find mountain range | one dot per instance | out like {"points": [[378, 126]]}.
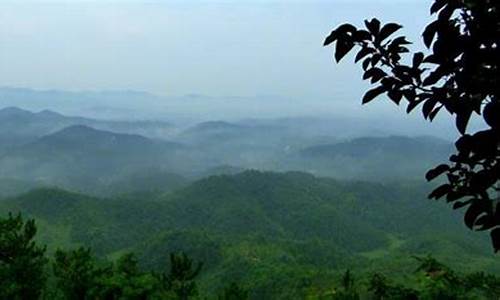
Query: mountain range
{"points": [[81, 157], [19, 126], [88, 155]]}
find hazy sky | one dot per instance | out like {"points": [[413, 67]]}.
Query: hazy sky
{"points": [[256, 49], [237, 48]]}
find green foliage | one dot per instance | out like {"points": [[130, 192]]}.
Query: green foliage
{"points": [[234, 292], [381, 288], [127, 281], [181, 277], [22, 261], [76, 273], [486, 285], [271, 232], [79, 276], [347, 289], [460, 74], [280, 236]]}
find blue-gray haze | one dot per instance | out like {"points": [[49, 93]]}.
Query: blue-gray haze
{"points": [[204, 59]]}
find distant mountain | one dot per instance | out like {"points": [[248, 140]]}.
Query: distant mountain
{"points": [[254, 223], [214, 126], [241, 146], [214, 132], [220, 170], [392, 145], [110, 104], [312, 116], [81, 137], [80, 156], [18, 126], [12, 187], [390, 157]]}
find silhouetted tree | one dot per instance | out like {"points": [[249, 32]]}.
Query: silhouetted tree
{"points": [[22, 261], [180, 279], [460, 73]]}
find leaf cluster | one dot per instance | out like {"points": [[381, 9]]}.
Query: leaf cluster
{"points": [[458, 73]]}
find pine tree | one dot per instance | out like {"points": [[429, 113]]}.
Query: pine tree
{"points": [[76, 273], [181, 278], [22, 261]]}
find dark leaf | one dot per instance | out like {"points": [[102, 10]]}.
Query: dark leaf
{"points": [[462, 120], [473, 212], [363, 52], [362, 35], [484, 222], [495, 239], [411, 96], [366, 63], [438, 5], [446, 13], [453, 196], [434, 77], [460, 204], [331, 38], [431, 59], [373, 93], [464, 143], [440, 191], [412, 104], [387, 30], [482, 180], [395, 96], [431, 174], [344, 28], [434, 112], [375, 74], [429, 33], [343, 47], [428, 107], [418, 58], [376, 59], [373, 26], [400, 41]]}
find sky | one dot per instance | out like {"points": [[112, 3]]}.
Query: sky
{"points": [[255, 49], [216, 48]]}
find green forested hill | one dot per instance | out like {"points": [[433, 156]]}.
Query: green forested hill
{"points": [[269, 231]]}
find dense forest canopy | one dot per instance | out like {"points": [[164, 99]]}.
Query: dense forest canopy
{"points": [[278, 236]]}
